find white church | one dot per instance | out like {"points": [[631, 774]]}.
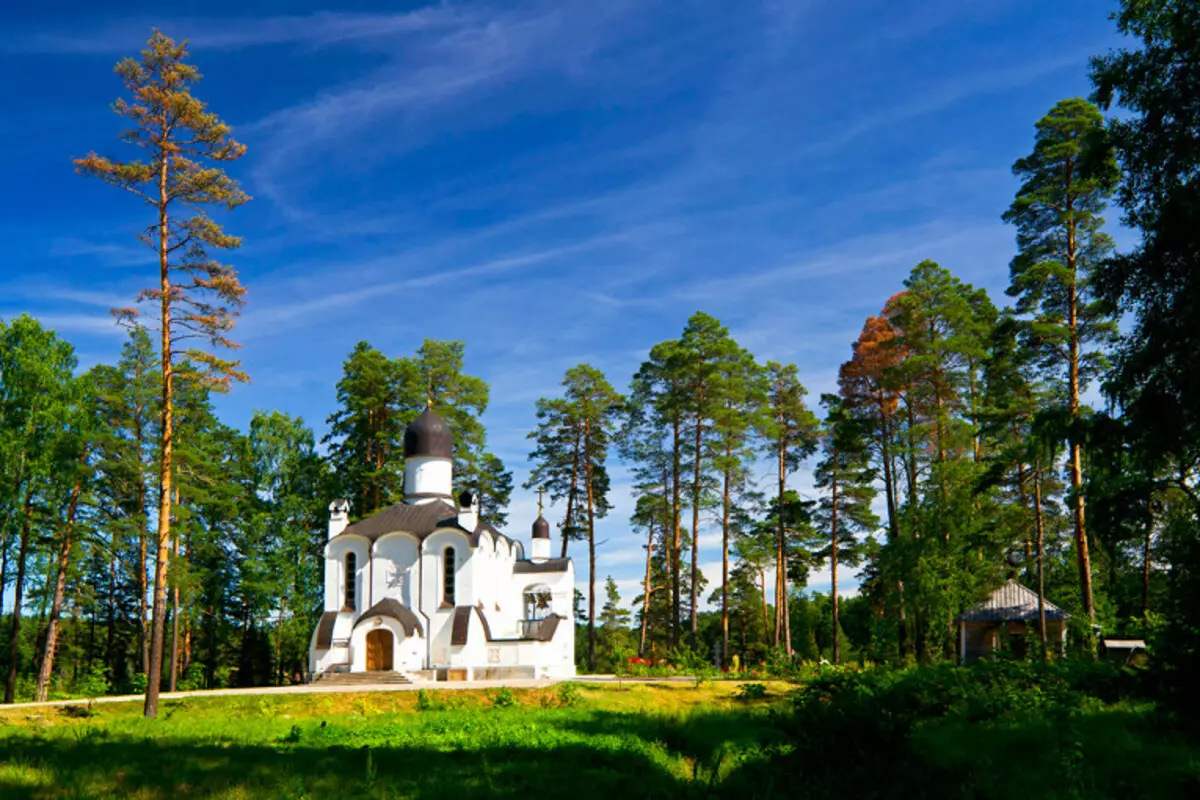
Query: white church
{"points": [[428, 590]]}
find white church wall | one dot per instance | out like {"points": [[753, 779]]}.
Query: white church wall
{"points": [[434, 548], [395, 568], [335, 570]]}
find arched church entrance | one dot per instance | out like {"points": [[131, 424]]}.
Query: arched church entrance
{"points": [[379, 650]]}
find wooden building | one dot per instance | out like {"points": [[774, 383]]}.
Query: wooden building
{"points": [[1008, 620]]}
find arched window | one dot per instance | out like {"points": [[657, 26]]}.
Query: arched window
{"points": [[448, 566], [351, 602]]}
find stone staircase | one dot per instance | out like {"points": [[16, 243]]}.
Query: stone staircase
{"points": [[362, 678]]}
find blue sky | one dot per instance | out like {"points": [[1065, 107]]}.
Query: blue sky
{"points": [[552, 182]]}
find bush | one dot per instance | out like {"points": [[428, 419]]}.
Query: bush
{"points": [[137, 683], [568, 694], [430, 700], [848, 727], [93, 683], [751, 691], [502, 697]]}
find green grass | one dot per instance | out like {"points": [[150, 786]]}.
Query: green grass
{"points": [[935, 733], [646, 741]]}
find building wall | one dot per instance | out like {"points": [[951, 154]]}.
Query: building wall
{"points": [[394, 571], [400, 566]]}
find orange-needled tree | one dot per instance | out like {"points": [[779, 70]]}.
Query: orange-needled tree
{"points": [[197, 297]]}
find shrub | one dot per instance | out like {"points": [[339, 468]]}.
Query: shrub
{"points": [[502, 697], [93, 683], [751, 691], [430, 700], [568, 694]]}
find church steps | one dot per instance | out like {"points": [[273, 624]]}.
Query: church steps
{"points": [[363, 678]]}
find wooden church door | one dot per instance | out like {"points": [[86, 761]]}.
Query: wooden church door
{"points": [[379, 650]]}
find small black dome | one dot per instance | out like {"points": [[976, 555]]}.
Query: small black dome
{"points": [[428, 435], [541, 528]]}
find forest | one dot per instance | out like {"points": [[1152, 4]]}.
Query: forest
{"points": [[1051, 435]]}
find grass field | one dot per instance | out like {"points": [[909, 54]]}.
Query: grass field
{"points": [[582, 742], [934, 733]]}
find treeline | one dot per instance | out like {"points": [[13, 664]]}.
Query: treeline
{"points": [[958, 449], [970, 419]]}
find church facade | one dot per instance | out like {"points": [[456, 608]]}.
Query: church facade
{"points": [[426, 588]]}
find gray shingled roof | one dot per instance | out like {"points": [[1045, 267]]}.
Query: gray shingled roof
{"points": [[419, 519], [1011, 602], [549, 565]]}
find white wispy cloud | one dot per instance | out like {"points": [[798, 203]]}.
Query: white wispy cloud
{"points": [[320, 29]]}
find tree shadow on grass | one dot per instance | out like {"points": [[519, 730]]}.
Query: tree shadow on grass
{"points": [[116, 767], [702, 736]]}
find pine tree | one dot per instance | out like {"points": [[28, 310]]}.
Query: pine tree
{"points": [[494, 484], [846, 479], [658, 402], [790, 431], [437, 377], [35, 387], [366, 433], [197, 296], [73, 475], [708, 356], [1066, 182], [741, 394]]}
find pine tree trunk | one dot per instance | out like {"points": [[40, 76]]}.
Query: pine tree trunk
{"points": [[646, 591], [591, 509], [143, 631], [676, 497], [725, 560], [175, 620], [60, 582], [762, 582], [14, 644], [1041, 553], [1146, 559], [780, 554], [889, 480], [833, 562], [570, 517], [695, 587], [163, 534], [1081, 542]]}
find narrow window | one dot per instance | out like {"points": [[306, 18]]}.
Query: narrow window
{"points": [[448, 576], [351, 568]]}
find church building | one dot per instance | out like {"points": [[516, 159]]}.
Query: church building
{"points": [[427, 589]]}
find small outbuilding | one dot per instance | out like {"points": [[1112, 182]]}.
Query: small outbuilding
{"points": [[1124, 651], [1008, 620]]}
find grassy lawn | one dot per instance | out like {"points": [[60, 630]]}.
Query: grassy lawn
{"points": [[934, 734], [597, 741]]}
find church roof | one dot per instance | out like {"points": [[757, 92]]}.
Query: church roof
{"points": [[393, 608], [549, 565], [462, 625], [418, 519], [428, 435], [1011, 602], [541, 528], [325, 630]]}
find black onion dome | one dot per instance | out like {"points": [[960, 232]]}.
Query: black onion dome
{"points": [[541, 528], [428, 435]]}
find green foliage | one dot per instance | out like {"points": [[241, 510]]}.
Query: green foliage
{"points": [[503, 697], [751, 691], [93, 683], [951, 731], [568, 694]]}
